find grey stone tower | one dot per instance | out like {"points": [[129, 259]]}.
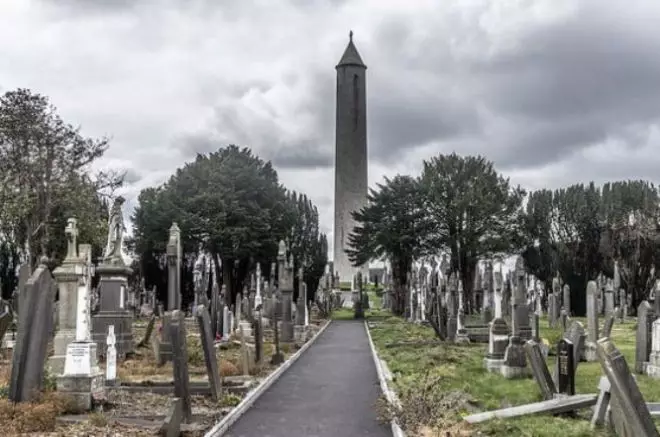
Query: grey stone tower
{"points": [[351, 181]]}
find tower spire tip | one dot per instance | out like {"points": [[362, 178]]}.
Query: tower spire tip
{"points": [[350, 35]]}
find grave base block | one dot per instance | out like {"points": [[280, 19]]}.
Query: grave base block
{"points": [[493, 365], [462, 336], [514, 372], [301, 333], [653, 371], [589, 352], [83, 390]]}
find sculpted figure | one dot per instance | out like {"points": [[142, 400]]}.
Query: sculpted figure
{"points": [[116, 229]]}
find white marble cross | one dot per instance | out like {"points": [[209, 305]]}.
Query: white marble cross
{"points": [[111, 355]]}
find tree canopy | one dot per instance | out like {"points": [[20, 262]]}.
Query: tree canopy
{"points": [[230, 204], [45, 178]]}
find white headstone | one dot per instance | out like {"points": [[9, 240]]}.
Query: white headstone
{"points": [[111, 355], [257, 298], [122, 296]]}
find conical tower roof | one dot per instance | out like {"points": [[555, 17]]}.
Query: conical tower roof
{"points": [[351, 55]]}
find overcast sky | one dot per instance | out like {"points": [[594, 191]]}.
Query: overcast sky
{"points": [[553, 91]]}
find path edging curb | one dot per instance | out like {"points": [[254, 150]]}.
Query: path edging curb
{"points": [[384, 376], [220, 428]]}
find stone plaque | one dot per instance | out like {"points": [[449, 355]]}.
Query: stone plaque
{"points": [[78, 359]]}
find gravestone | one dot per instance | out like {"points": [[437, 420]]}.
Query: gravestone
{"points": [[285, 278], [173, 256], [180, 363], [277, 358], [82, 381], [172, 424], [566, 291], [461, 332], [515, 363], [565, 367], [68, 275], [623, 304], [258, 339], [577, 337], [653, 366], [520, 309], [210, 359], [34, 328], [609, 297], [148, 331], [607, 327], [592, 322], [536, 328], [603, 402], [540, 370], [636, 419], [113, 289], [645, 317], [553, 303], [5, 322], [111, 357]]}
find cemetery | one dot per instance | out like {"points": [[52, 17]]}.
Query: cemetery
{"points": [[455, 303], [591, 375], [168, 373]]}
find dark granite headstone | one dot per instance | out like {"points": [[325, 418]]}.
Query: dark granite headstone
{"points": [[565, 367]]}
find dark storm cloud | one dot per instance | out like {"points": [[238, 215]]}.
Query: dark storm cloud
{"points": [[565, 87]]}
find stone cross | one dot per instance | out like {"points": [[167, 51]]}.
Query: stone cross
{"points": [[174, 268]]}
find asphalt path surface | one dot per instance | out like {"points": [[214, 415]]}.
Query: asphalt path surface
{"points": [[329, 392]]}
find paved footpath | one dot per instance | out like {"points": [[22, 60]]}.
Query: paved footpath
{"points": [[329, 392]]}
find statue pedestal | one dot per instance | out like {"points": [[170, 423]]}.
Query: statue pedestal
{"points": [[113, 295]]}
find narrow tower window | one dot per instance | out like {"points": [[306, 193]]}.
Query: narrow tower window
{"points": [[356, 102]]}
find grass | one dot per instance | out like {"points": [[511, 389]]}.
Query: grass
{"points": [[456, 373], [374, 310]]}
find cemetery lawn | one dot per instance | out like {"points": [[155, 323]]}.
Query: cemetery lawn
{"points": [[440, 383]]}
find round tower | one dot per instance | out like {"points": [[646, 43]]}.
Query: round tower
{"points": [[351, 181]]}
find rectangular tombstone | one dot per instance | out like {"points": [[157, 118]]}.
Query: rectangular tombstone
{"points": [[635, 419], [540, 369], [645, 317], [565, 367], [207, 339], [180, 363], [592, 312], [34, 328], [607, 327]]}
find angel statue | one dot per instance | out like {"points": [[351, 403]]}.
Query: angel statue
{"points": [[116, 229]]}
